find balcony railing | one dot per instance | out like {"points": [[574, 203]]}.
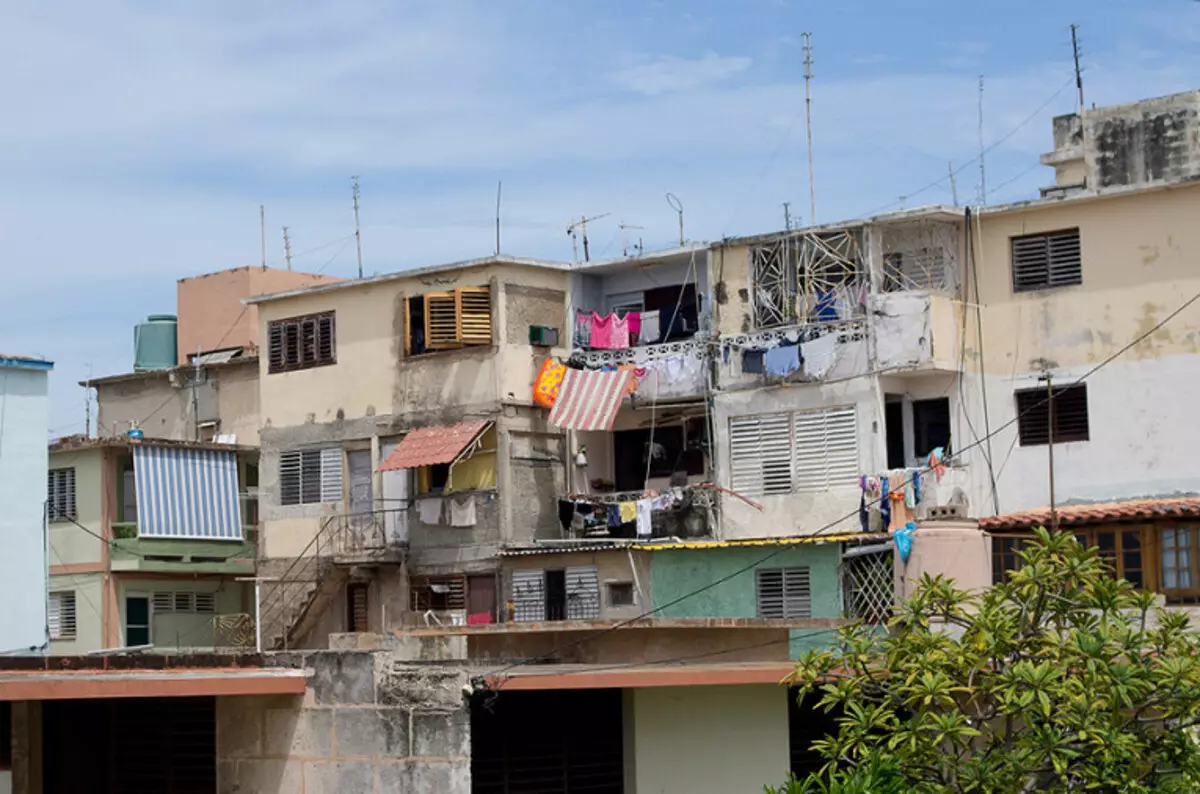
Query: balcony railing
{"points": [[693, 515], [370, 533]]}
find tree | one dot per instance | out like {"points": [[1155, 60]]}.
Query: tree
{"points": [[1061, 678]]}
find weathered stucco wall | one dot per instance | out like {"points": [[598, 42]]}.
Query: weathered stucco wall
{"points": [[706, 740], [89, 604], [1143, 141], [70, 545], [611, 566]]}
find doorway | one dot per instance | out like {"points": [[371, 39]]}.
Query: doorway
{"points": [[893, 421], [481, 597], [556, 595], [358, 607], [137, 620]]}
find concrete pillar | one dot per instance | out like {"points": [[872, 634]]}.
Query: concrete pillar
{"points": [[956, 548], [27, 747]]}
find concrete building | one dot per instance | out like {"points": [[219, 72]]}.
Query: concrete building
{"points": [[149, 543]]}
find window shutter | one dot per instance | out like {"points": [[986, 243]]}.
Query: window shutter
{"points": [[1042, 261], [583, 593], [776, 453], [206, 603], [289, 478], [475, 311], [529, 595], [274, 346], [783, 593], [760, 454], [1065, 259], [441, 321], [769, 586], [60, 617], [331, 475], [826, 448], [164, 601], [291, 344], [183, 603]]}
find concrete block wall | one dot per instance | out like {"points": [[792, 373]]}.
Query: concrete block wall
{"points": [[368, 722]]}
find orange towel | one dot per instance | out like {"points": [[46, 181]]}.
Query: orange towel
{"points": [[548, 382]]}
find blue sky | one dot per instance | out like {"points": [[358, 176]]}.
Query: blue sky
{"points": [[140, 138]]}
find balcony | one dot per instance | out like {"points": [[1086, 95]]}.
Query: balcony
{"points": [[370, 538], [158, 555], [692, 513]]}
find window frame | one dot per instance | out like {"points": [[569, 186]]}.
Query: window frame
{"points": [[1089, 536], [1071, 272], [1178, 596], [69, 492], [622, 587], [1029, 409], [68, 615], [289, 338], [421, 594], [452, 320], [322, 485], [789, 578]]}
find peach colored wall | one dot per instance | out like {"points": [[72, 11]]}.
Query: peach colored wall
{"points": [[210, 309]]}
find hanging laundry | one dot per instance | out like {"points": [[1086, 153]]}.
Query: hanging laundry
{"points": [[916, 481], [638, 374], [782, 361], [614, 514], [610, 332], [583, 329], [628, 511], [752, 362], [826, 308], [644, 518], [937, 462], [462, 511], [885, 503], [864, 520], [548, 382], [648, 332], [634, 319], [910, 489], [818, 355], [429, 510]]}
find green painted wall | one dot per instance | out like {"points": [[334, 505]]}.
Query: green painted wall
{"points": [[88, 597], [68, 543], [677, 572], [186, 630]]}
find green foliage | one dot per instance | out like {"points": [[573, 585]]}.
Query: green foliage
{"points": [[873, 777], [1060, 679]]}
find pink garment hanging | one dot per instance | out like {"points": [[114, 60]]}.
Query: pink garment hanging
{"points": [[635, 322], [610, 332]]}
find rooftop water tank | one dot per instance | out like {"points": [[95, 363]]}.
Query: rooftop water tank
{"points": [[154, 342]]}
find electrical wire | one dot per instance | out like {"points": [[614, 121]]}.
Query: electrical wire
{"points": [[112, 544], [849, 516], [81, 591]]}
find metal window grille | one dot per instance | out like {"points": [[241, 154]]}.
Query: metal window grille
{"points": [[1070, 415], [583, 593], [301, 342], [60, 494], [61, 615], [439, 593], [310, 476], [920, 256], [783, 593], [529, 595], [1044, 261], [807, 277], [868, 586]]}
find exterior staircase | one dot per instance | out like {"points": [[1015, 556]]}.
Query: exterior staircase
{"points": [[292, 604]]}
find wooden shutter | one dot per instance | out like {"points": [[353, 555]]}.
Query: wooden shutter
{"points": [[331, 474], [1043, 261], [326, 339], [357, 606], [745, 455], [184, 603], [583, 593], [275, 346], [475, 315], [769, 593], [441, 321], [60, 493], [826, 448], [529, 595]]}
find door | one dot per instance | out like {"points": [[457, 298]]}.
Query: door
{"points": [[556, 595], [358, 607], [481, 597], [137, 620], [395, 487]]}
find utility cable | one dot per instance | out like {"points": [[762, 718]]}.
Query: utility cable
{"points": [[849, 516]]}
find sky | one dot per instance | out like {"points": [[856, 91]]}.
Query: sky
{"points": [[140, 138]]}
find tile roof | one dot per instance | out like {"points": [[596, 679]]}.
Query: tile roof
{"points": [[1097, 513], [429, 446]]}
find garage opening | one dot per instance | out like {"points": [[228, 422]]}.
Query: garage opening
{"points": [[552, 742], [806, 724], [130, 746]]}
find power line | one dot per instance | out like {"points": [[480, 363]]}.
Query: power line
{"points": [[849, 516]]}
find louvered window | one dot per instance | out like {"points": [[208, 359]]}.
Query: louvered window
{"points": [[456, 318], [310, 476], [1070, 415], [61, 617], [301, 342], [789, 452], [583, 593], [60, 496], [1043, 261], [439, 593], [206, 603], [164, 601], [783, 593]]}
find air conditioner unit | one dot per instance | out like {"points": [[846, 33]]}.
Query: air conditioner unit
{"points": [[543, 336]]}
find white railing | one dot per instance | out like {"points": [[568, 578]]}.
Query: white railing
{"points": [[640, 354]]}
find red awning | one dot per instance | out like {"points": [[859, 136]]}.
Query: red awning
{"points": [[429, 446], [589, 399]]}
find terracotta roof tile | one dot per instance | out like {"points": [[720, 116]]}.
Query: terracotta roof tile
{"points": [[429, 446], [1100, 512]]}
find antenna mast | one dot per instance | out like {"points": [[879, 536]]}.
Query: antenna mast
{"points": [[357, 234], [953, 184], [287, 248], [677, 205], [262, 227], [579, 229], [812, 194], [1078, 72], [623, 226], [787, 215], [982, 169], [499, 185]]}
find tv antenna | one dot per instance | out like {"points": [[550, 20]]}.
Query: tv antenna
{"points": [[577, 231], [287, 248], [637, 247], [677, 205], [812, 193], [357, 234]]}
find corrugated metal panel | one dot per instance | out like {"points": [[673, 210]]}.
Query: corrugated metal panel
{"points": [[583, 593], [783, 593], [187, 493], [529, 595], [826, 448]]}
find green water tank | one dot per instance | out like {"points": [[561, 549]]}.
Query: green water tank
{"points": [[154, 342]]}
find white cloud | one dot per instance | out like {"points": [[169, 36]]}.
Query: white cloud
{"points": [[669, 74]]}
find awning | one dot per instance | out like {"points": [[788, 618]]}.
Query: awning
{"points": [[430, 446], [187, 493], [584, 676], [589, 399]]}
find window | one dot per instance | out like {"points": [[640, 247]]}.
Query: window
{"points": [[137, 621], [6, 734], [783, 593], [1044, 261], [1006, 556], [439, 593], [931, 426], [60, 498], [1070, 415], [620, 594], [1180, 551], [301, 342], [310, 476], [449, 320], [183, 602], [1120, 548], [61, 616], [801, 451]]}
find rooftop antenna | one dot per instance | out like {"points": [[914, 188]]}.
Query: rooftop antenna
{"points": [[262, 226], [812, 194], [982, 169], [287, 248], [787, 216], [578, 230], [357, 234], [677, 205], [87, 406], [953, 184], [1078, 72], [499, 185], [637, 247]]}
